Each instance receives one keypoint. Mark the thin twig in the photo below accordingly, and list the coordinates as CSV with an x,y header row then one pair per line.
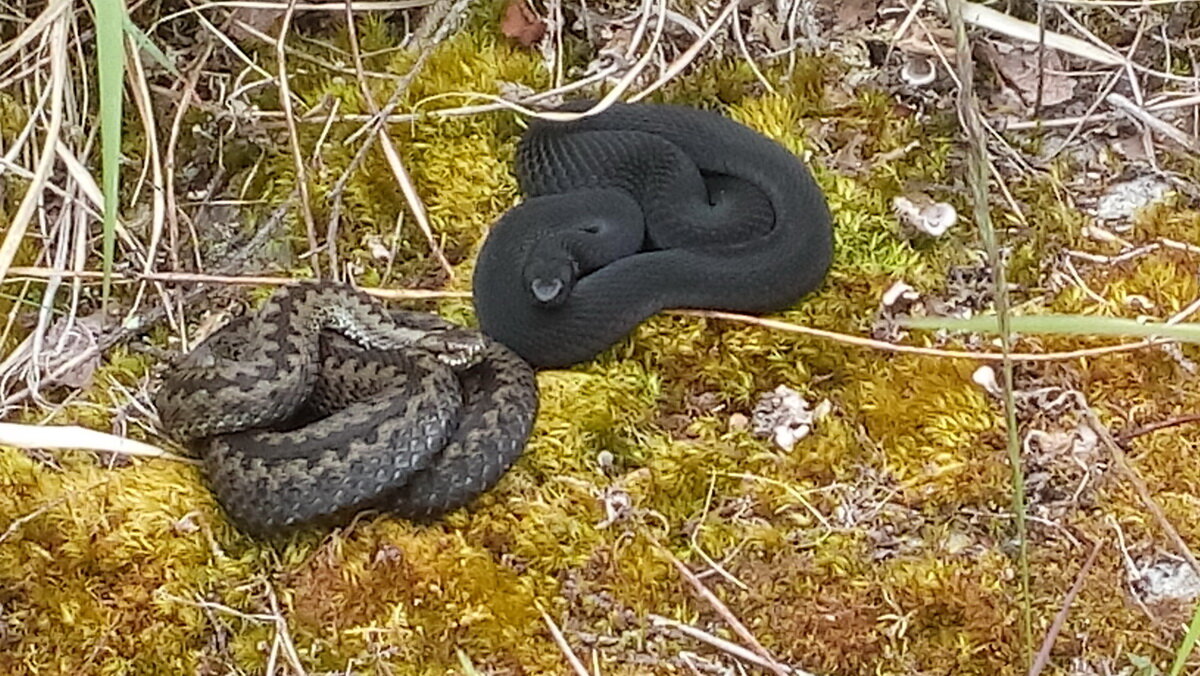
x,y
721,644
565,647
1187,141
1043,656
911,349
285,95
723,610
1125,437
1139,485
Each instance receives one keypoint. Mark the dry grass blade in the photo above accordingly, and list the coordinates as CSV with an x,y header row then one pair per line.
x,y
36,29
561,641
31,199
71,437
978,183
994,20
723,610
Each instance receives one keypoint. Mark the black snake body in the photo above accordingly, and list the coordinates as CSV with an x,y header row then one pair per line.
x,y
642,208
323,404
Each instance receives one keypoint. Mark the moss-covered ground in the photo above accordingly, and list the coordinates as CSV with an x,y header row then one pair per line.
x,y
880,544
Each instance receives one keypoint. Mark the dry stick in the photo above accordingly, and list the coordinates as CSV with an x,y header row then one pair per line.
x,y
1060,619
339,187
719,643
413,294
1140,114
285,95
912,349
1125,437
389,149
723,610
29,202
239,280
1139,485
565,647
185,100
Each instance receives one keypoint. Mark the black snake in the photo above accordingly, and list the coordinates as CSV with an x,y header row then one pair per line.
x,y
642,208
322,404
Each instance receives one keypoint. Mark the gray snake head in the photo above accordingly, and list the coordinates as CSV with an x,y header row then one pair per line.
x,y
457,348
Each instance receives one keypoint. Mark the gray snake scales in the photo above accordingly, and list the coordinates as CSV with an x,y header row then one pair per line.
x,y
323,403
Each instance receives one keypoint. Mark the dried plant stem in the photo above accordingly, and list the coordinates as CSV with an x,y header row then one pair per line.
x,y
1187,141
859,341
1122,462
29,202
1043,656
437,14
978,180
767,323
561,641
723,610
285,97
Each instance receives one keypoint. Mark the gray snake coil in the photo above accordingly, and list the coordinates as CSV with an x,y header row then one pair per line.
x,y
323,404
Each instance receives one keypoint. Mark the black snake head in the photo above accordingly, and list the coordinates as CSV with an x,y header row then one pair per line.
x,y
551,279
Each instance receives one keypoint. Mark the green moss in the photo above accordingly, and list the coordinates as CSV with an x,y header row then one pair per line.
x,y
879,544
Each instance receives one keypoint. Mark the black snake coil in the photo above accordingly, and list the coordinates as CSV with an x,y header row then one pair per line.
x,y
642,208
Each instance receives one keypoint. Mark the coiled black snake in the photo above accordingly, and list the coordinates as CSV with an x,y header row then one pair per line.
x,y
642,208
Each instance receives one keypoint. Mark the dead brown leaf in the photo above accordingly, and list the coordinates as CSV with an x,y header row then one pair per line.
x,y
854,13
1018,65
522,24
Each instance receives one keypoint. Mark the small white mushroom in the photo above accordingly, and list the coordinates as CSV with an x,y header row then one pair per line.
x,y
918,70
985,377
924,214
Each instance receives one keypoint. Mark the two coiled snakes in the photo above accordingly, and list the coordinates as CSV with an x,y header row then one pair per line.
x,y
323,403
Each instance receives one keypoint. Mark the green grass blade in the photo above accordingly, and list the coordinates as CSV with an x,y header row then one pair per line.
x,y
144,42
1065,324
1189,642
110,64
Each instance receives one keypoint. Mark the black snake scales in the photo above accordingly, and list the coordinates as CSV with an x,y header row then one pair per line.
x,y
642,208
323,404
